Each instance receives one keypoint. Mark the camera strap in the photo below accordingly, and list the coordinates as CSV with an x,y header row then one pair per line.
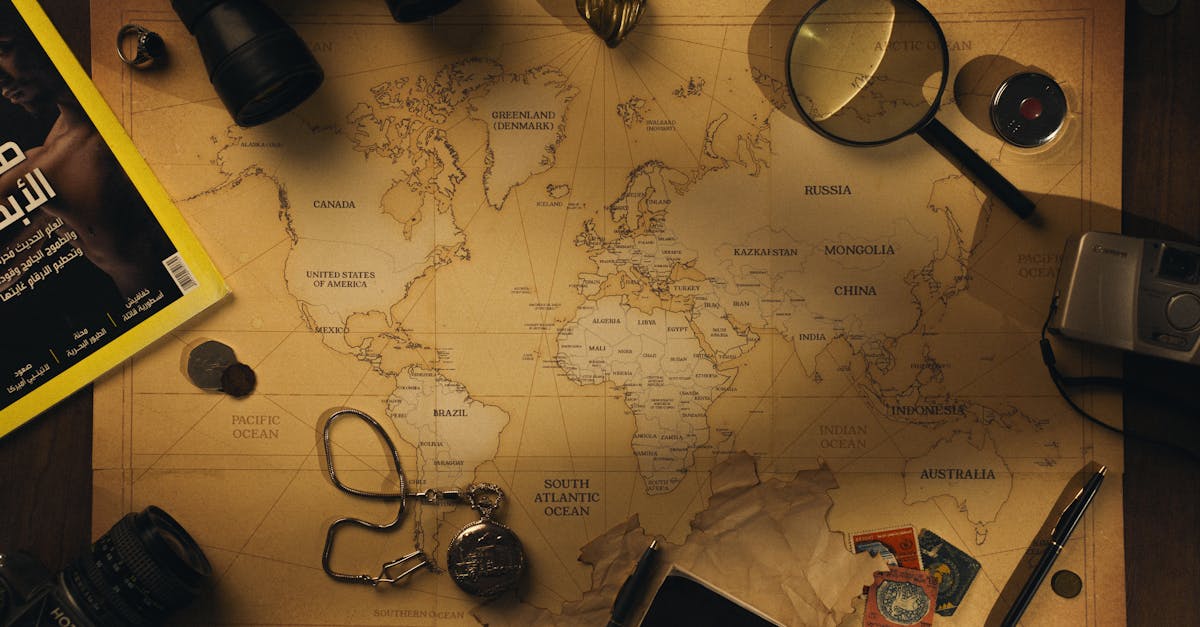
x,y
1061,383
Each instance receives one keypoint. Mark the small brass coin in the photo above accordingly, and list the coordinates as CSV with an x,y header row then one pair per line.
x,y
207,362
238,380
1066,584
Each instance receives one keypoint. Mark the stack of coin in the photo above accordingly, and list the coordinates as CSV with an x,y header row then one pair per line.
x,y
211,365
611,19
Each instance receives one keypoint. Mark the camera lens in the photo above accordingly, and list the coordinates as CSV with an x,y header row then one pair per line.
x,y
138,573
1178,265
259,66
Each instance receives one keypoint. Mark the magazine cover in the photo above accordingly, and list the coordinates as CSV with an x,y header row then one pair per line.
x,y
95,260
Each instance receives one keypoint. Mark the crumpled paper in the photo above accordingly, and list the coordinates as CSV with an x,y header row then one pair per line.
x,y
765,543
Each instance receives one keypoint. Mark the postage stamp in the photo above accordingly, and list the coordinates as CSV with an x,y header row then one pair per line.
x,y
952,569
897,546
901,596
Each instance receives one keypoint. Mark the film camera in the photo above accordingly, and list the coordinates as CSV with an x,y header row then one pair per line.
x,y
1136,294
139,572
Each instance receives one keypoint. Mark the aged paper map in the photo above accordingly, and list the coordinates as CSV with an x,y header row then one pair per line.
x,y
608,280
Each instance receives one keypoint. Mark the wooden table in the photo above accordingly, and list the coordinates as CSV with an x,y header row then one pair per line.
x,y
45,467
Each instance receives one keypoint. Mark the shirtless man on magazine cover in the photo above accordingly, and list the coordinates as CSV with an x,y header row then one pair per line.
x,y
91,193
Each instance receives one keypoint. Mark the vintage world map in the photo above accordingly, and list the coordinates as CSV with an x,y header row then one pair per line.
x,y
592,276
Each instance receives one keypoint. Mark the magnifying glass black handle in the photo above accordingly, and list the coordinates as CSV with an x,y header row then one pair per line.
x,y
940,137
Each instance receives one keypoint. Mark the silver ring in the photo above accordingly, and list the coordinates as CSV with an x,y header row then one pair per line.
x,y
150,46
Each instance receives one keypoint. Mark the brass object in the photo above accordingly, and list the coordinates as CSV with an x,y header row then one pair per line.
x,y
611,19
485,558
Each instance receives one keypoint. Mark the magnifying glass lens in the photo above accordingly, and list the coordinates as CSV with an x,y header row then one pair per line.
x,y
867,71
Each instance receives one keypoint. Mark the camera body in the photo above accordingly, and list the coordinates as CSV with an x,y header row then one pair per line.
x,y
30,596
136,574
1136,294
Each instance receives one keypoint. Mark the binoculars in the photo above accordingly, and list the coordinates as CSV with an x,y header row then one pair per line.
x,y
258,65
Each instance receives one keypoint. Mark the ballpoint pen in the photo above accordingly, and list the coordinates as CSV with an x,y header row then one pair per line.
x,y
1058,539
628,595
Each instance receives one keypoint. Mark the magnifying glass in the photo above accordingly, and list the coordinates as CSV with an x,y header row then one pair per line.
x,y
868,72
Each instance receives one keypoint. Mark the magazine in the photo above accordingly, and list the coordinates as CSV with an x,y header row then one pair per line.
x,y
95,260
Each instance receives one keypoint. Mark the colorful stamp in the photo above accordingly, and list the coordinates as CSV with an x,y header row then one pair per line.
x,y
901,596
952,569
897,547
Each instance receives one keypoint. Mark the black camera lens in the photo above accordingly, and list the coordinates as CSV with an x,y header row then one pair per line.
x,y
142,570
259,66
1178,265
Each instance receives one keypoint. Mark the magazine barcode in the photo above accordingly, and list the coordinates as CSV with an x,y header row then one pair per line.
x,y
182,274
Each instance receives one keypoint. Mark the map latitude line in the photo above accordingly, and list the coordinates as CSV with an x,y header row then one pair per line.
x,y
874,358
